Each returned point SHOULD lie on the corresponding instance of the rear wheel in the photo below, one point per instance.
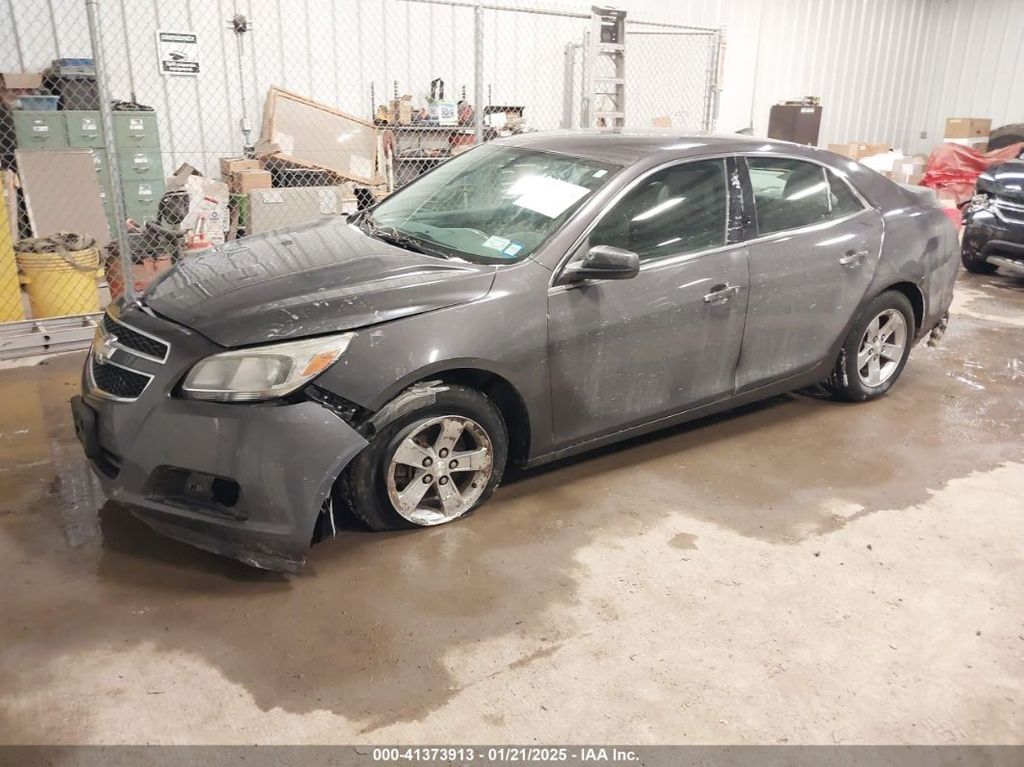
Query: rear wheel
(431, 464)
(876, 349)
(973, 262)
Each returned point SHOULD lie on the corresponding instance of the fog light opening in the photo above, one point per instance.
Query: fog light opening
(224, 492)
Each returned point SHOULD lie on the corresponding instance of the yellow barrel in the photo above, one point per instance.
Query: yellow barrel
(61, 283)
(10, 290)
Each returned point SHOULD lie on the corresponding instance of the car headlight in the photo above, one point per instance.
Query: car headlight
(263, 372)
(979, 201)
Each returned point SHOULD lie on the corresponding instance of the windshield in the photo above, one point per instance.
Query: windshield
(492, 204)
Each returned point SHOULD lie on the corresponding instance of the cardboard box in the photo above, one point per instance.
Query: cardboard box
(967, 127)
(977, 143)
(401, 110)
(244, 181)
(177, 179)
(21, 80)
(909, 170)
(858, 151)
(229, 165)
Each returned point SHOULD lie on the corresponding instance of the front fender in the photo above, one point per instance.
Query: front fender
(504, 334)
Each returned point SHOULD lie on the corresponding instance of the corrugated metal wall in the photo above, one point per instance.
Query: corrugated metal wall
(886, 70)
(973, 66)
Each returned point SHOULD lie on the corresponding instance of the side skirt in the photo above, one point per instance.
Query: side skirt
(810, 377)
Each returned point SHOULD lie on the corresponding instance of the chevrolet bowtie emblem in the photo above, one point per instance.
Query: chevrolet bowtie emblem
(105, 350)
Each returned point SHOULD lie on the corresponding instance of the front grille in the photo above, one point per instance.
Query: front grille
(1010, 211)
(133, 340)
(117, 381)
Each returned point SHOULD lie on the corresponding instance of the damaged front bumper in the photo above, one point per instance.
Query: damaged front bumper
(996, 237)
(244, 480)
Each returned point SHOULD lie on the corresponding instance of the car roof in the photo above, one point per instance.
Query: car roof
(627, 146)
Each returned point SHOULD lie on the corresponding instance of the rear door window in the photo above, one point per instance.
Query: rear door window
(844, 201)
(788, 194)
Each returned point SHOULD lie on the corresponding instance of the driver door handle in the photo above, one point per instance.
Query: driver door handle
(721, 293)
(853, 258)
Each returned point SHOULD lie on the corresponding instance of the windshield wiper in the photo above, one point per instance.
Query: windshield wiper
(393, 236)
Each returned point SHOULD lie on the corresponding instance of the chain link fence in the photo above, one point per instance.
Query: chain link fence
(136, 133)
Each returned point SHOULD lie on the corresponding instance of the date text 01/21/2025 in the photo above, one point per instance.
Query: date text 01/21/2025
(521, 754)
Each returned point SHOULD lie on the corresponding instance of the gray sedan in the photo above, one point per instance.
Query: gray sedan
(530, 299)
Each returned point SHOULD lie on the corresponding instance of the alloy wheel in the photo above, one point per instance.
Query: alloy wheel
(881, 348)
(439, 469)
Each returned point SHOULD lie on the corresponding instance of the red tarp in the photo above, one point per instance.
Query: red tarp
(953, 168)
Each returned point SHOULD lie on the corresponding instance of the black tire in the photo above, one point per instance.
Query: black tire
(364, 484)
(846, 382)
(973, 262)
(1006, 135)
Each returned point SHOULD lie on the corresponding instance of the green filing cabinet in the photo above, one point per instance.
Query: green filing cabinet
(142, 198)
(98, 156)
(140, 165)
(83, 129)
(39, 130)
(136, 130)
(140, 162)
(139, 159)
(99, 160)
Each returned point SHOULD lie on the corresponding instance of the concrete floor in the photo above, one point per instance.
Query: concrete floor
(802, 571)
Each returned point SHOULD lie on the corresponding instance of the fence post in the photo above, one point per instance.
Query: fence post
(110, 149)
(717, 94)
(478, 74)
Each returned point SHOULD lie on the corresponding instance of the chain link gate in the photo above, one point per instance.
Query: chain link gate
(135, 133)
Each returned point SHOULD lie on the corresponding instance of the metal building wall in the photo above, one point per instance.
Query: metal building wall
(862, 57)
(886, 70)
(973, 66)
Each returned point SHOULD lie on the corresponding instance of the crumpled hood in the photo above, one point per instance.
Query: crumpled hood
(1008, 180)
(322, 277)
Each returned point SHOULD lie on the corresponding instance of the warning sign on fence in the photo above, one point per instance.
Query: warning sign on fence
(178, 53)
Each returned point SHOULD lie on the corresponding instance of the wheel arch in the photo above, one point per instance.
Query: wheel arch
(914, 295)
(496, 387)
(503, 394)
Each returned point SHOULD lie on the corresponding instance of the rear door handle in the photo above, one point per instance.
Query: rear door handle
(853, 258)
(721, 293)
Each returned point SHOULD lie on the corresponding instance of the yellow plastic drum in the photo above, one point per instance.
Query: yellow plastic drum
(61, 283)
(10, 290)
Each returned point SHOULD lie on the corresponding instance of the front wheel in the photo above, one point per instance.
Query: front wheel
(876, 349)
(973, 262)
(438, 458)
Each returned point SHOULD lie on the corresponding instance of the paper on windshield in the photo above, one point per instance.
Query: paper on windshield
(548, 196)
(496, 242)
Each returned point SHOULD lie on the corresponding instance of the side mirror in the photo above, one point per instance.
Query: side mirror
(604, 262)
